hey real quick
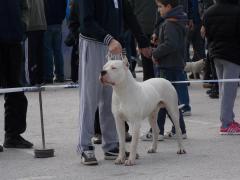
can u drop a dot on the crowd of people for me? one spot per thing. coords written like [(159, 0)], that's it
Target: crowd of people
[(159, 32)]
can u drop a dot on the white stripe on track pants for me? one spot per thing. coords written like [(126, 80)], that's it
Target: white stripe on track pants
[(92, 57)]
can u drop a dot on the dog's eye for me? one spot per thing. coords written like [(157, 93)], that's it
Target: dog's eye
[(114, 68)]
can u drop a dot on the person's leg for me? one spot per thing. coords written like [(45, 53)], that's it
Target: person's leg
[(74, 63), (182, 90), (148, 71), (161, 120), (32, 63), (177, 75), (198, 44), (228, 91), (35, 49), (89, 88), (15, 103), (57, 52), (48, 55)]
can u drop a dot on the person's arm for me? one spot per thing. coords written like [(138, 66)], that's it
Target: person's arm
[(169, 44), (25, 11), (131, 20), (89, 26), (74, 21)]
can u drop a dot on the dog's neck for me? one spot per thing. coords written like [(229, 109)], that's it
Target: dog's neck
[(126, 86)]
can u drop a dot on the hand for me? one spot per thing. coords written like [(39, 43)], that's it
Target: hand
[(154, 39), (114, 47), (203, 32), (146, 52), (155, 61), (191, 25)]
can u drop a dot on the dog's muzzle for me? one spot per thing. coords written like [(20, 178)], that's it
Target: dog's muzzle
[(103, 78)]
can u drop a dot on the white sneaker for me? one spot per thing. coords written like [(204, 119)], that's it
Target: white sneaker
[(170, 135), (186, 113), (148, 137)]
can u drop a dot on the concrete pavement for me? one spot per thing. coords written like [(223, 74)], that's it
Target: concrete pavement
[(209, 155)]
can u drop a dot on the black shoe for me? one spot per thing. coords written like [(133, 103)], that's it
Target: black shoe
[(1, 148), (113, 154), (48, 81), (88, 157), (59, 80), (17, 142), (214, 95)]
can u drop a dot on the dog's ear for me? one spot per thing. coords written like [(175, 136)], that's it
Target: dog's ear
[(125, 61)]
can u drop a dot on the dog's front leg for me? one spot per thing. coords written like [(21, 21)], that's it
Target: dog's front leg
[(121, 135), (133, 147)]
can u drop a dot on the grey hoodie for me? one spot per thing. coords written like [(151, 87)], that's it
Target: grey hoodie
[(171, 47)]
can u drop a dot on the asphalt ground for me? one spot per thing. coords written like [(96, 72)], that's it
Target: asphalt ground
[(209, 155)]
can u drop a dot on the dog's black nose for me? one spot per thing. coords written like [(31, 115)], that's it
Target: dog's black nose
[(103, 73)]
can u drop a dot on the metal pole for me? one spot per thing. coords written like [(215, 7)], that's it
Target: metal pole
[(41, 116)]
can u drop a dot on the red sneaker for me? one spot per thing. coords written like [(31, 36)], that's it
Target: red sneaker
[(232, 129), (235, 122)]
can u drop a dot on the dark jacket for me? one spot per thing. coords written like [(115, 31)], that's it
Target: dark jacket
[(12, 27), (145, 10), (170, 50), (222, 23), (100, 20), (55, 11)]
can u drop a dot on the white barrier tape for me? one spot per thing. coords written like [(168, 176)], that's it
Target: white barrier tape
[(34, 89), (206, 81), (51, 87)]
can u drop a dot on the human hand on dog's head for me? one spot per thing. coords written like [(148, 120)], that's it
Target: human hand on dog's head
[(115, 47)]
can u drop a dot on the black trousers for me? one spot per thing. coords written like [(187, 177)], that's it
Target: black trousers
[(10, 74), (35, 56), (74, 62), (147, 64), (97, 128)]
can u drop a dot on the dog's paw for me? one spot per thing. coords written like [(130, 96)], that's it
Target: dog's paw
[(152, 150), (181, 151), (120, 160), (130, 162)]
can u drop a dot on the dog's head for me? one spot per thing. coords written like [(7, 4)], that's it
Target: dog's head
[(114, 72)]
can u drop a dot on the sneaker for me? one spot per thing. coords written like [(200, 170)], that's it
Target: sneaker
[(17, 142), (236, 123), (1, 148), (128, 137), (88, 157), (113, 154), (186, 112), (214, 95), (232, 129), (97, 139), (171, 135), (148, 137)]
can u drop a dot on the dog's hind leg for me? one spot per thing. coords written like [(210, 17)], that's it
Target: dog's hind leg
[(133, 147), (120, 125), (155, 130), (173, 112)]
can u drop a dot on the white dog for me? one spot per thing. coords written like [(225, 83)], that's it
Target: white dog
[(134, 101), (195, 67)]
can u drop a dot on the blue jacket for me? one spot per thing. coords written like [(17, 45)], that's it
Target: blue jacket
[(11, 26), (55, 11)]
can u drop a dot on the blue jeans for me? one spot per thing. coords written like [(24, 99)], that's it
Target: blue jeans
[(53, 52), (183, 96)]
